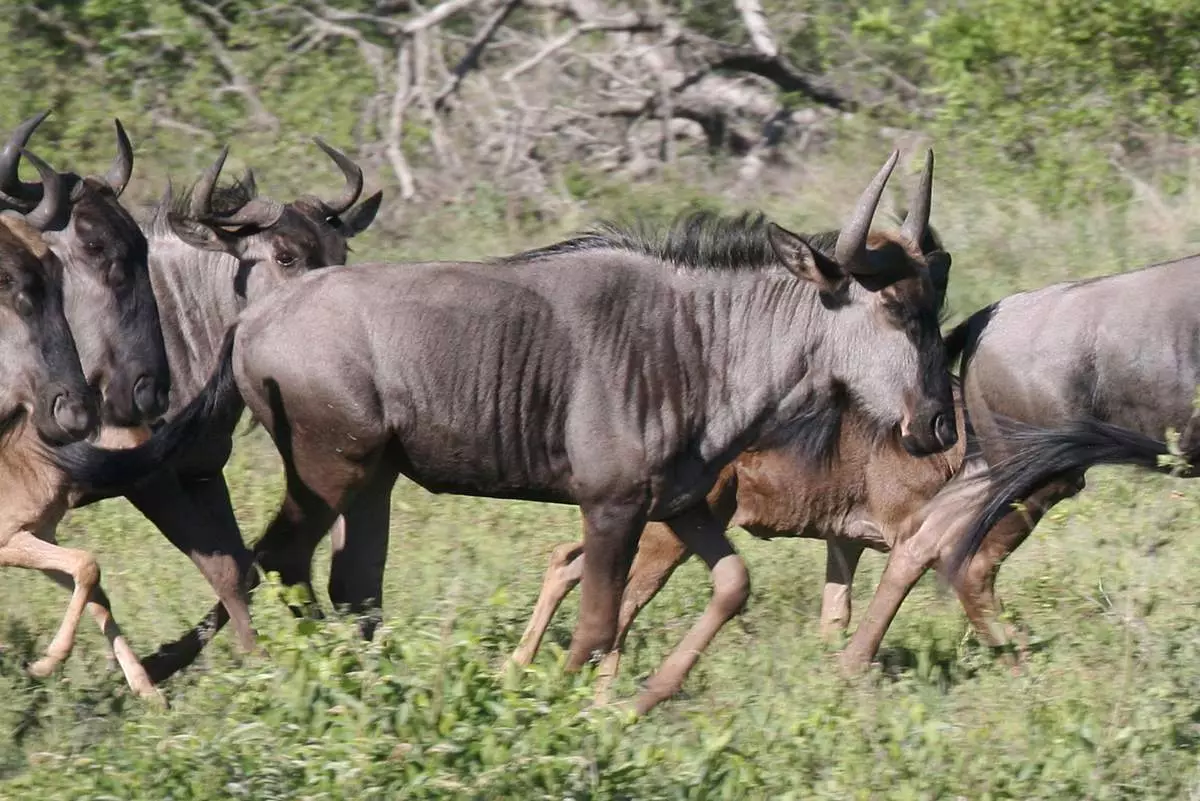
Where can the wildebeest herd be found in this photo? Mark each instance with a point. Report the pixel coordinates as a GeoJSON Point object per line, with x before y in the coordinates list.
{"type": "Point", "coordinates": [723, 371]}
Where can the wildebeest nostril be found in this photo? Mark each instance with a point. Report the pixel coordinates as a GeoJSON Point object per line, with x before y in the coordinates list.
{"type": "Point", "coordinates": [148, 398]}
{"type": "Point", "coordinates": [944, 430]}
{"type": "Point", "coordinates": [71, 415]}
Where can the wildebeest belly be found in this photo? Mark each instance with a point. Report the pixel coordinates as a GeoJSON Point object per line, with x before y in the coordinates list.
{"type": "Point", "coordinates": [477, 399]}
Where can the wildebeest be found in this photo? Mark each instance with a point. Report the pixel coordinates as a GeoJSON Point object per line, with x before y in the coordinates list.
{"type": "Point", "coordinates": [45, 399]}
{"type": "Point", "coordinates": [614, 371]}
{"type": "Point", "coordinates": [214, 251]}
{"type": "Point", "coordinates": [1051, 379]}
{"type": "Point", "coordinates": [867, 492]}
{"type": "Point", "coordinates": [109, 302]}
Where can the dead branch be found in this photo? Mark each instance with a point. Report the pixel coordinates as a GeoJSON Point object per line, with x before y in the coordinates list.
{"type": "Point", "coordinates": [237, 82]}
{"type": "Point", "coordinates": [91, 51]}
{"type": "Point", "coordinates": [436, 15]}
{"type": "Point", "coordinates": [400, 100]}
{"type": "Point", "coordinates": [630, 23]}
{"type": "Point", "coordinates": [757, 26]}
{"type": "Point", "coordinates": [470, 61]}
{"type": "Point", "coordinates": [776, 69]}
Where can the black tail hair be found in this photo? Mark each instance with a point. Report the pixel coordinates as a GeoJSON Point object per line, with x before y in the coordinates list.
{"type": "Point", "coordinates": [109, 473]}
{"type": "Point", "coordinates": [1044, 455]}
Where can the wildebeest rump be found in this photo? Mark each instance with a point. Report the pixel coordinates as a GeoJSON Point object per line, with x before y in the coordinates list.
{"type": "Point", "coordinates": [109, 301]}
{"type": "Point", "coordinates": [1122, 351]}
{"type": "Point", "coordinates": [214, 251]}
{"type": "Point", "coordinates": [612, 371]}
{"type": "Point", "coordinates": [45, 399]}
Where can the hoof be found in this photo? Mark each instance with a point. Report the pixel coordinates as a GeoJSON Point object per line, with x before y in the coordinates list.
{"type": "Point", "coordinates": [43, 668]}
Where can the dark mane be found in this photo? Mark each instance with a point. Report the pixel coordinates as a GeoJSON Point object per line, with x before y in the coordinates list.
{"type": "Point", "coordinates": [226, 199]}
{"type": "Point", "coordinates": [697, 240]}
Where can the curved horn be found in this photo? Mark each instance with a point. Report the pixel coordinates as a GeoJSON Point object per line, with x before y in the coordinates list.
{"type": "Point", "coordinates": [10, 156]}
{"type": "Point", "coordinates": [249, 183]}
{"type": "Point", "coordinates": [852, 242]}
{"type": "Point", "coordinates": [259, 212]}
{"type": "Point", "coordinates": [917, 219]}
{"type": "Point", "coordinates": [122, 166]}
{"type": "Point", "coordinates": [202, 191]}
{"type": "Point", "coordinates": [354, 178]}
{"type": "Point", "coordinates": [51, 207]}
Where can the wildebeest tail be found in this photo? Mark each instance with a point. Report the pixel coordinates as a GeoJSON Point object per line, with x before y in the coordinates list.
{"type": "Point", "coordinates": [1044, 455]}
{"type": "Point", "coordinates": [105, 472]}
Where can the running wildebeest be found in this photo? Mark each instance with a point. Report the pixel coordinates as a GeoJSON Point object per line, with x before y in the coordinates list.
{"type": "Point", "coordinates": [614, 371]}
{"type": "Point", "coordinates": [1054, 380]}
{"type": "Point", "coordinates": [867, 492]}
{"type": "Point", "coordinates": [45, 400]}
{"type": "Point", "coordinates": [213, 252]}
{"type": "Point", "coordinates": [109, 302]}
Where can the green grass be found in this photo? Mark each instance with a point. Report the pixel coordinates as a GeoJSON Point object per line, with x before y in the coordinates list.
{"type": "Point", "coordinates": [1107, 707]}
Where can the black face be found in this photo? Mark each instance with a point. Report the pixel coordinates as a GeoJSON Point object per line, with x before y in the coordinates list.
{"type": "Point", "coordinates": [39, 365]}
{"type": "Point", "coordinates": [111, 307]}
{"type": "Point", "coordinates": [913, 305]}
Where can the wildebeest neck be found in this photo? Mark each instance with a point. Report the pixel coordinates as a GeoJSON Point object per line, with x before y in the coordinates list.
{"type": "Point", "coordinates": [198, 299]}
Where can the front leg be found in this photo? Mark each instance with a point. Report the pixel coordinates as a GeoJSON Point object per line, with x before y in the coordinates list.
{"type": "Point", "coordinates": [196, 516]}
{"type": "Point", "coordinates": [611, 528]}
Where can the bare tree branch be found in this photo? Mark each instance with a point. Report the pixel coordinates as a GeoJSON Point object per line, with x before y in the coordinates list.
{"type": "Point", "coordinates": [237, 82]}
{"type": "Point", "coordinates": [91, 51]}
{"type": "Point", "coordinates": [470, 61]}
{"type": "Point", "coordinates": [400, 100]}
{"type": "Point", "coordinates": [436, 15]}
{"type": "Point", "coordinates": [757, 26]}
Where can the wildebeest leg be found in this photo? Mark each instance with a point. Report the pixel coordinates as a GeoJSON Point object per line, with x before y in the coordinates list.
{"type": "Point", "coordinates": [356, 572]}
{"type": "Point", "coordinates": [841, 560]}
{"type": "Point", "coordinates": [563, 573]}
{"type": "Point", "coordinates": [197, 518]}
{"type": "Point", "coordinates": [610, 533]}
{"type": "Point", "coordinates": [24, 549]}
{"type": "Point", "coordinates": [659, 553]}
{"type": "Point", "coordinates": [703, 535]}
{"type": "Point", "coordinates": [976, 588]}
{"type": "Point", "coordinates": [100, 608]}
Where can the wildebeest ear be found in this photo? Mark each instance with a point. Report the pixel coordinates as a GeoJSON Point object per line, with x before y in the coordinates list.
{"type": "Point", "coordinates": [359, 218]}
{"type": "Point", "coordinates": [938, 263]}
{"type": "Point", "coordinates": [202, 236]}
{"type": "Point", "coordinates": [806, 262]}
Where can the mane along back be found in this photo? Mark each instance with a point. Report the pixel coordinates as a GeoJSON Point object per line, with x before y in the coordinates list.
{"type": "Point", "coordinates": [700, 240]}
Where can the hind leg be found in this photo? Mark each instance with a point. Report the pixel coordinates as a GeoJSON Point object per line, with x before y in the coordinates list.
{"type": "Point", "coordinates": [356, 572]}
{"type": "Point", "coordinates": [976, 587]}
{"type": "Point", "coordinates": [564, 572]}
{"type": "Point", "coordinates": [841, 560]}
{"type": "Point", "coordinates": [700, 533]}
{"type": "Point", "coordinates": [659, 553]}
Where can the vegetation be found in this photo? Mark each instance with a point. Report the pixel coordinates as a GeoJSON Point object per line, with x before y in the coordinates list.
{"type": "Point", "coordinates": [1063, 150]}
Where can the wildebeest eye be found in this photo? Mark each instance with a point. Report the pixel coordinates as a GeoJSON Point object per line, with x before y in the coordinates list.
{"type": "Point", "coordinates": [94, 246]}
{"type": "Point", "coordinates": [285, 259]}
{"type": "Point", "coordinates": [23, 304]}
